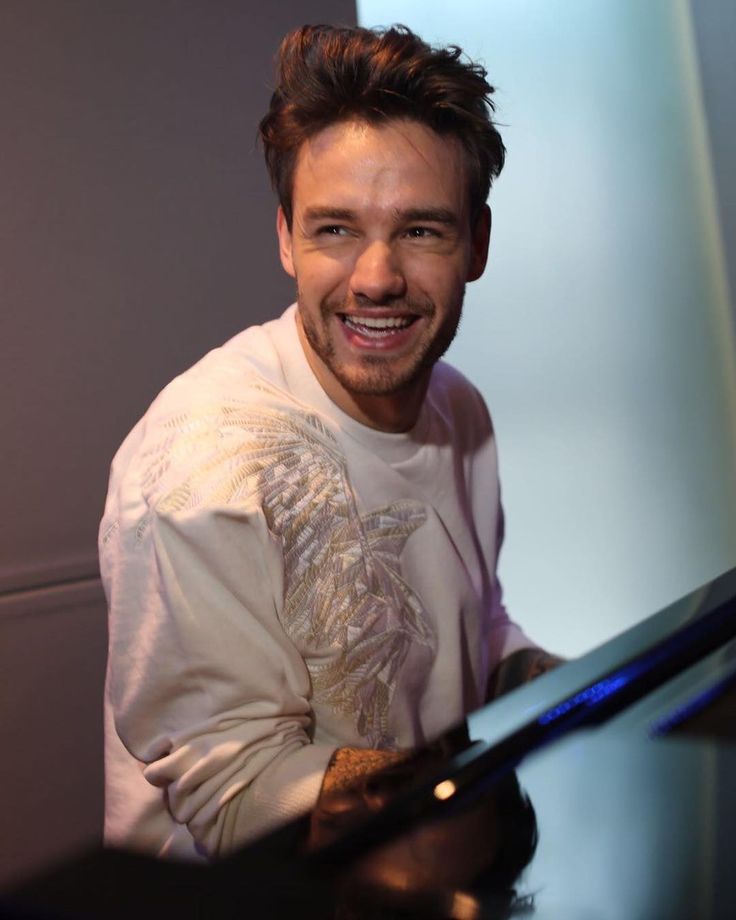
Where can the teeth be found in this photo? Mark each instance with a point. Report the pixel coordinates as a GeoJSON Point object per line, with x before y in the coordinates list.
{"type": "Point", "coordinates": [379, 324]}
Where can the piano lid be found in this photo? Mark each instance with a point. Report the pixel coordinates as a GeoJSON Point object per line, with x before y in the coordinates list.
{"type": "Point", "coordinates": [543, 814]}
{"type": "Point", "coordinates": [626, 828]}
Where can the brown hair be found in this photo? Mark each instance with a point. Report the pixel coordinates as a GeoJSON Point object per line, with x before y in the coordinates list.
{"type": "Point", "coordinates": [328, 74]}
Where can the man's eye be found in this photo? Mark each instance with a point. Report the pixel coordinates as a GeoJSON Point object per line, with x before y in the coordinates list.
{"type": "Point", "coordinates": [332, 230]}
{"type": "Point", "coordinates": [422, 233]}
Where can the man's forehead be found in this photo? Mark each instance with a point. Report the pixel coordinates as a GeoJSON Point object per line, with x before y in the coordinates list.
{"type": "Point", "coordinates": [408, 155]}
{"type": "Point", "coordinates": [428, 214]}
{"type": "Point", "coordinates": [398, 134]}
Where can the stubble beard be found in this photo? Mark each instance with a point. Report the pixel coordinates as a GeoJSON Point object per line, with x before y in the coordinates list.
{"type": "Point", "coordinates": [377, 375]}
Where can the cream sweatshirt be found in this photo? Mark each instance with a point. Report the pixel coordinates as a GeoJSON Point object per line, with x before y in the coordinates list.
{"type": "Point", "coordinates": [282, 581]}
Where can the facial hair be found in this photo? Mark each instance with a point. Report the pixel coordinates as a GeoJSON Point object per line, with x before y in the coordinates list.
{"type": "Point", "coordinates": [376, 375]}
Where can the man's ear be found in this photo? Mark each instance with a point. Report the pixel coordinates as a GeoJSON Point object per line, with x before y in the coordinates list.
{"type": "Point", "coordinates": [285, 247]}
{"type": "Point", "coordinates": [481, 237]}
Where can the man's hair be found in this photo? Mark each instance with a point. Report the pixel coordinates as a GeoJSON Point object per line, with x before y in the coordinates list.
{"type": "Point", "coordinates": [328, 74]}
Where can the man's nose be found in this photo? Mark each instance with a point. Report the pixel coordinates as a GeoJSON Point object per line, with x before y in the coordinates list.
{"type": "Point", "coordinates": [377, 274]}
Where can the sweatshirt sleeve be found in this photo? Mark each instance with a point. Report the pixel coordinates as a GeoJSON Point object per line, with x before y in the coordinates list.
{"type": "Point", "coordinates": [473, 421]}
{"type": "Point", "coordinates": [206, 688]}
{"type": "Point", "coordinates": [506, 636]}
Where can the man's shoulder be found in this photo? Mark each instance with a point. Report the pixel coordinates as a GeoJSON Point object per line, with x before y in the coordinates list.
{"type": "Point", "coordinates": [229, 374]}
{"type": "Point", "coordinates": [231, 368]}
{"type": "Point", "coordinates": [232, 399]}
{"type": "Point", "coordinates": [448, 376]}
{"type": "Point", "coordinates": [453, 394]}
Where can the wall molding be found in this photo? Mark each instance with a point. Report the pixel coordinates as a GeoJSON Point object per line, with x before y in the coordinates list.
{"type": "Point", "coordinates": [56, 598]}
{"type": "Point", "coordinates": [47, 573]}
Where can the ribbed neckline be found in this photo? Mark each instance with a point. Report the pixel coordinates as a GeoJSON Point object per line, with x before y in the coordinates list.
{"type": "Point", "coordinates": [304, 386]}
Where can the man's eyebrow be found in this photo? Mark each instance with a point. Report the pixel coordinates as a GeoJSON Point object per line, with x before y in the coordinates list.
{"type": "Point", "coordinates": [318, 212]}
{"type": "Point", "coordinates": [427, 215]}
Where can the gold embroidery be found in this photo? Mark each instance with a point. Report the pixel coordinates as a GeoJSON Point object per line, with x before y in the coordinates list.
{"type": "Point", "coordinates": [346, 606]}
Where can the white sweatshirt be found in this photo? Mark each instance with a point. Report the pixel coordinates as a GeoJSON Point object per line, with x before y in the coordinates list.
{"type": "Point", "coordinates": [282, 581]}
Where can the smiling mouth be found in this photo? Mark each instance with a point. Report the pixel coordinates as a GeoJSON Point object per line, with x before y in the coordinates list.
{"type": "Point", "coordinates": [377, 327]}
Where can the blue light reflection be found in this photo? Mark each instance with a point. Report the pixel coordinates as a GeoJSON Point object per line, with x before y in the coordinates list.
{"type": "Point", "coordinates": [591, 696]}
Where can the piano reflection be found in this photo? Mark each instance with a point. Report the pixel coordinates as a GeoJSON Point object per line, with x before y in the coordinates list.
{"type": "Point", "coordinates": [603, 790]}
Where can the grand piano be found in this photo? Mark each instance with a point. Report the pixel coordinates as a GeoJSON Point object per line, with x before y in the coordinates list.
{"type": "Point", "coordinates": [603, 790]}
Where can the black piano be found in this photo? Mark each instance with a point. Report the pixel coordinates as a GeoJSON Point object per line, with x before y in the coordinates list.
{"type": "Point", "coordinates": [603, 790]}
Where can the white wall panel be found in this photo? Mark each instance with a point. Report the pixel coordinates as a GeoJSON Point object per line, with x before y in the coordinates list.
{"type": "Point", "coordinates": [601, 334]}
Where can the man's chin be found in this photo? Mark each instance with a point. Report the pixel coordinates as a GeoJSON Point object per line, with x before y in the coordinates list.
{"type": "Point", "coordinates": [381, 382]}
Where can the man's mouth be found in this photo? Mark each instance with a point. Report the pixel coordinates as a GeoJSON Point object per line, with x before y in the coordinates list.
{"type": "Point", "coordinates": [377, 326]}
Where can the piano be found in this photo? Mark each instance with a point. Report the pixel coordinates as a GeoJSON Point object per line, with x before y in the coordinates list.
{"type": "Point", "coordinates": [602, 790]}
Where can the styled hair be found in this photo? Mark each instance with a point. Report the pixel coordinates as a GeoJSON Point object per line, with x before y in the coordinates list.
{"type": "Point", "coordinates": [327, 74]}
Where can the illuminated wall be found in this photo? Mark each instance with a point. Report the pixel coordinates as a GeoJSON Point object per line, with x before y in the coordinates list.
{"type": "Point", "coordinates": [601, 334]}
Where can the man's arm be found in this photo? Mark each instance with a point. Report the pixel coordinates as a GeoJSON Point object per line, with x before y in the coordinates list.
{"type": "Point", "coordinates": [519, 668]}
{"type": "Point", "coordinates": [358, 782]}
{"type": "Point", "coordinates": [351, 770]}
{"type": "Point", "coordinates": [207, 692]}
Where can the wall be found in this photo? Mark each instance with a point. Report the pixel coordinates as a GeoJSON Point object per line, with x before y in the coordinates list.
{"type": "Point", "coordinates": [714, 27]}
{"type": "Point", "coordinates": [136, 232]}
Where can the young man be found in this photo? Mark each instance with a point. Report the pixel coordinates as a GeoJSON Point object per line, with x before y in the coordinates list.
{"type": "Point", "coordinates": [300, 541]}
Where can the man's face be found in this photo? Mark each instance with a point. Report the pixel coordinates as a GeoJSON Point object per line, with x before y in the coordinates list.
{"type": "Point", "coordinates": [381, 246]}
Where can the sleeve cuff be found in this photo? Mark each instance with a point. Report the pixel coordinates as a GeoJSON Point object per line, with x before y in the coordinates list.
{"type": "Point", "coordinates": [289, 788]}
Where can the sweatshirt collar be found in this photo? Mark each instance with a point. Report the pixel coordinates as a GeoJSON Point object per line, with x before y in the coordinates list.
{"type": "Point", "coordinates": [303, 384]}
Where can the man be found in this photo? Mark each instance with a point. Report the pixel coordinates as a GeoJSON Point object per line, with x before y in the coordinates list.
{"type": "Point", "coordinates": [300, 541]}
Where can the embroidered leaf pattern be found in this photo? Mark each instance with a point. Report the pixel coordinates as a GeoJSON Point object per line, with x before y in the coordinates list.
{"type": "Point", "coordinates": [345, 606]}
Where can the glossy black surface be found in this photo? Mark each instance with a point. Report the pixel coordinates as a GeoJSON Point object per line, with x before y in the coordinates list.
{"type": "Point", "coordinates": [628, 760]}
{"type": "Point", "coordinates": [498, 720]}
{"type": "Point", "coordinates": [633, 830]}
{"type": "Point", "coordinates": [639, 672]}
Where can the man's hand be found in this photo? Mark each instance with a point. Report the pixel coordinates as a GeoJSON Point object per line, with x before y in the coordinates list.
{"type": "Point", "coordinates": [360, 781]}
{"type": "Point", "coordinates": [519, 668]}
{"type": "Point", "coordinates": [357, 782]}
{"type": "Point", "coordinates": [435, 857]}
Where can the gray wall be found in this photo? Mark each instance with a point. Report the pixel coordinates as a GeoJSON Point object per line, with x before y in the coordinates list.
{"type": "Point", "coordinates": [136, 232]}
